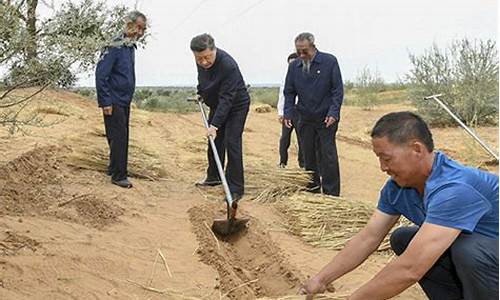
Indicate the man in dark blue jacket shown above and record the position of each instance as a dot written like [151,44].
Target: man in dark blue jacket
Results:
[316,80]
[115,85]
[223,89]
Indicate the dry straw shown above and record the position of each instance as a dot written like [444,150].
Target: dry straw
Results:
[92,155]
[269,184]
[263,108]
[326,221]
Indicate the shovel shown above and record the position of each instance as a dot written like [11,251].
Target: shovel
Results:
[231,225]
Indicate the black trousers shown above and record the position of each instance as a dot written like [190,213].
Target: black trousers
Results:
[319,140]
[229,139]
[467,270]
[286,134]
[117,134]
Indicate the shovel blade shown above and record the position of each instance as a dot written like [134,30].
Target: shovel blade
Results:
[229,227]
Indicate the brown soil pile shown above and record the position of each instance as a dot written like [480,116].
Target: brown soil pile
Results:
[249,264]
[34,184]
[31,182]
[88,210]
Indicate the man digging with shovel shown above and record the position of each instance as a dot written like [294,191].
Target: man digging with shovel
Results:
[223,90]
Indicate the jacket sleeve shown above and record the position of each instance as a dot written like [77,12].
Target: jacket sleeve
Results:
[102,73]
[337,92]
[227,92]
[290,93]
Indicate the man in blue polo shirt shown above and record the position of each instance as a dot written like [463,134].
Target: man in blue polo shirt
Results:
[115,85]
[316,80]
[452,251]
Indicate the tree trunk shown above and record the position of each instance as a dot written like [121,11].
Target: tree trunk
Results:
[31,47]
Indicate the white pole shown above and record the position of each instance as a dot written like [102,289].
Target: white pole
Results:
[467,129]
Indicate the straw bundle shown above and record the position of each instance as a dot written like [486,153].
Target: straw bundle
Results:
[268,184]
[142,163]
[326,221]
[263,108]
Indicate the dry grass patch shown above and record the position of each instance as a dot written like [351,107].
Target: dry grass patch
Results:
[91,155]
[326,221]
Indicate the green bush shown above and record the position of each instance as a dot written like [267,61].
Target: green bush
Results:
[266,95]
[366,86]
[165,99]
[466,73]
[86,92]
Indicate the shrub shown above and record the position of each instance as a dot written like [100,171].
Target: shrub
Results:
[367,85]
[466,73]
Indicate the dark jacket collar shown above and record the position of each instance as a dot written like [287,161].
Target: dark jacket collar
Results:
[317,59]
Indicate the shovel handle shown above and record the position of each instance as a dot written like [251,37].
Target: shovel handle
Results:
[229,198]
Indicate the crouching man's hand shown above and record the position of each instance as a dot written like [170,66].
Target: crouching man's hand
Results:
[312,286]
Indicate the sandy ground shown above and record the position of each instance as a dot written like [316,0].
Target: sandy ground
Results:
[67,233]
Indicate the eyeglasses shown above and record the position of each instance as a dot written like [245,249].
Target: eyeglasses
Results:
[303,51]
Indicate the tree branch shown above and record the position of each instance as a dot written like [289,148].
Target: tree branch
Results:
[26,98]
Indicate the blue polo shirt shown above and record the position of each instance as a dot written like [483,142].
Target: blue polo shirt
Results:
[454,196]
[115,75]
[320,91]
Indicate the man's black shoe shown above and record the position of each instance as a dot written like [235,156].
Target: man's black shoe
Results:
[315,189]
[124,183]
[208,183]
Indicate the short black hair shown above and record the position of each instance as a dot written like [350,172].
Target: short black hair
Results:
[401,127]
[294,55]
[202,42]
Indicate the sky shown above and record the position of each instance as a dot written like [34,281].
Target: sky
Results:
[259,34]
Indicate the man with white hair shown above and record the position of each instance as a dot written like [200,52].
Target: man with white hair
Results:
[115,85]
[316,80]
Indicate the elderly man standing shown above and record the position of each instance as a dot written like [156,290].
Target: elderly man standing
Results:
[452,251]
[115,85]
[316,80]
[223,89]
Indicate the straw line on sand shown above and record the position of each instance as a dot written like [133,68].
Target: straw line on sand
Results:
[165,263]
[169,292]
[239,286]
[150,281]
[213,235]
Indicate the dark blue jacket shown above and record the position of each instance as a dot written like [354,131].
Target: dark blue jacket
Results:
[320,92]
[115,76]
[222,87]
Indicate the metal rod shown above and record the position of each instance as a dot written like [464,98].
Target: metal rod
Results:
[222,176]
[467,129]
